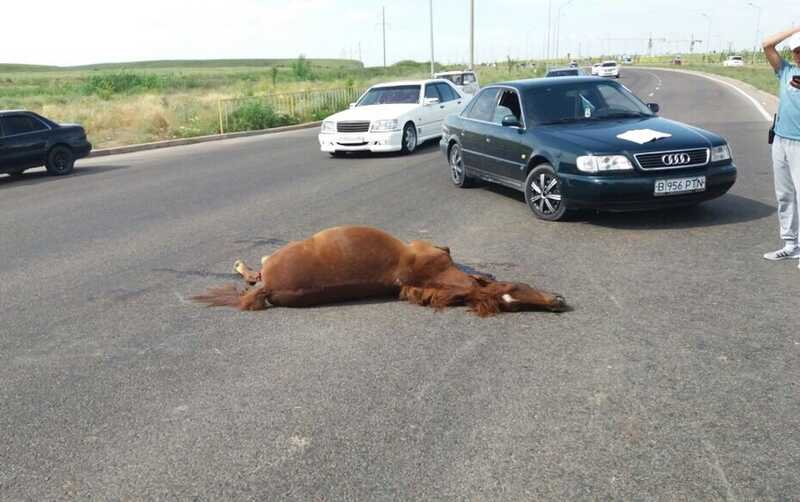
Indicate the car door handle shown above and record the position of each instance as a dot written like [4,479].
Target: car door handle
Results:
[442,107]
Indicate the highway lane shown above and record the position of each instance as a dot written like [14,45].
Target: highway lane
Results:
[674,377]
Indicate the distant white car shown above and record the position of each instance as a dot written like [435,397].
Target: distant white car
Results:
[465,80]
[608,69]
[391,117]
[595,68]
[733,61]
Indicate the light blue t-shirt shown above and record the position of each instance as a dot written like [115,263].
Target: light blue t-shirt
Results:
[788,125]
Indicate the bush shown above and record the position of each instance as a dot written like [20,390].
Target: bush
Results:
[254,115]
[108,84]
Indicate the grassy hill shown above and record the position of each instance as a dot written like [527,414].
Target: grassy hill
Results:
[186,64]
[13,68]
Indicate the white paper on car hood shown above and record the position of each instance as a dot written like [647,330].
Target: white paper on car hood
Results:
[643,136]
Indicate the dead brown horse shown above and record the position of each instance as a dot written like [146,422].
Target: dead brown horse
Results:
[351,263]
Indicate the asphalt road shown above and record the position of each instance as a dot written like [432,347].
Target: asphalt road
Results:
[674,378]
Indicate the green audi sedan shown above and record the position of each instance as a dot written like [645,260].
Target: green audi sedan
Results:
[583,142]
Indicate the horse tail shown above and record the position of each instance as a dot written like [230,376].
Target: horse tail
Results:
[230,296]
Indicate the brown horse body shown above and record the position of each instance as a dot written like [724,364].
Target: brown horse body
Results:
[352,263]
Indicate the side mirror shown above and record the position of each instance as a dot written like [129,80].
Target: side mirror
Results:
[511,121]
[352,105]
[430,101]
[653,107]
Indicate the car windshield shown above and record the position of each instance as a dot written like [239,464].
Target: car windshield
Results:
[736,58]
[582,101]
[609,64]
[400,94]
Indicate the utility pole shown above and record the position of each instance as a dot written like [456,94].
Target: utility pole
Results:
[758,28]
[383,21]
[549,29]
[471,34]
[433,68]
[708,40]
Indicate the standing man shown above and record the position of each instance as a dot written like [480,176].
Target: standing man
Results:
[786,147]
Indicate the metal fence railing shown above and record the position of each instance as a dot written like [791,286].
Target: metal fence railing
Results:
[293,107]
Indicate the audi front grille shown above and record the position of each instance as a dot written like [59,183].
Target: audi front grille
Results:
[675,159]
[360,126]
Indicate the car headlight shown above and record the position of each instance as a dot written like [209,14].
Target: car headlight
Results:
[328,126]
[720,153]
[601,163]
[385,125]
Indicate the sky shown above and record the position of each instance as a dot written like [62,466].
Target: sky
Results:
[57,32]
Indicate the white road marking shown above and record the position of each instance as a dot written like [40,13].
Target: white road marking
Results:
[758,106]
[181,298]
[750,98]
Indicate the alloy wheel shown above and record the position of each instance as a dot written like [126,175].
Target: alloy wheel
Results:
[456,165]
[409,139]
[545,196]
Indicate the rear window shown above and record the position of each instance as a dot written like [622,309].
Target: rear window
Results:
[736,58]
[482,106]
[21,124]
[447,92]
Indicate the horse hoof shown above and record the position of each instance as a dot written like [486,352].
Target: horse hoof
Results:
[237,266]
[560,305]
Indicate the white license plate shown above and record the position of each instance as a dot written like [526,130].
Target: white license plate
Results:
[350,140]
[680,185]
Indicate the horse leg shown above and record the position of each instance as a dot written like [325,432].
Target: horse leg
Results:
[246,272]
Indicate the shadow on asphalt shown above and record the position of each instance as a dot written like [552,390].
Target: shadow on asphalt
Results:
[724,210]
[37,177]
[426,147]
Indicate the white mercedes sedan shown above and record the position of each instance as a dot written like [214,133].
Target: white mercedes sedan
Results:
[392,117]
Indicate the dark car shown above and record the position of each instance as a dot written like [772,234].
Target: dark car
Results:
[566,72]
[583,142]
[29,140]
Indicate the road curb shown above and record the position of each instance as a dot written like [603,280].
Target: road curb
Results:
[199,139]
[766,103]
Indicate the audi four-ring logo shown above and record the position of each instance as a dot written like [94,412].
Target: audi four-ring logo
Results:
[676,159]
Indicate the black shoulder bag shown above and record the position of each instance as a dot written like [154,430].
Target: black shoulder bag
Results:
[771,137]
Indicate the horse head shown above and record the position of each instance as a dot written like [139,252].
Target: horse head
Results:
[498,296]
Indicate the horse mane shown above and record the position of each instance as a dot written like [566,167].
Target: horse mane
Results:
[484,301]
[435,297]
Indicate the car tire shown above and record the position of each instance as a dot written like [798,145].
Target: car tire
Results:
[60,161]
[458,173]
[543,193]
[408,142]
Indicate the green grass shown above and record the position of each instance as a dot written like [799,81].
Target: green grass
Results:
[124,103]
